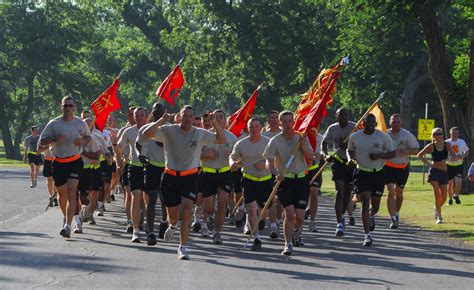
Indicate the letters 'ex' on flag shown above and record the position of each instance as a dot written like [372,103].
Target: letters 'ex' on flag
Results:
[170,87]
[105,104]
[239,119]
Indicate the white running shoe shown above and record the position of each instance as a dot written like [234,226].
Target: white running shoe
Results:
[169,234]
[183,253]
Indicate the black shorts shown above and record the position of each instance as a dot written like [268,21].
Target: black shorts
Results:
[112,168]
[96,179]
[124,178]
[318,182]
[294,191]
[373,182]
[209,182]
[455,171]
[398,176]
[257,191]
[86,181]
[437,175]
[64,171]
[47,168]
[173,188]
[36,159]
[237,180]
[105,171]
[136,176]
[153,177]
[342,172]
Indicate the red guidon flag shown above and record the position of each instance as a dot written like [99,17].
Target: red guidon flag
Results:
[171,86]
[239,119]
[105,104]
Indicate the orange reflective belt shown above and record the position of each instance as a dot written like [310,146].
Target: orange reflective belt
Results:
[49,158]
[181,173]
[399,166]
[67,159]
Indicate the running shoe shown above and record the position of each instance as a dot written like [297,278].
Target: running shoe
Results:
[312,227]
[352,221]
[78,229]
[196,226]
[65,232]
[112,197]
[51,202]
[394,223]
[274,233]
[91,220]
[204,233]
[257,245]
[55,201]
[456,199]
[135,237]
[288,250]
[450,201]
[439,220]
[151,239]
[339,230]
[367,241]
[217,239]
[169,234]
[100,212]
[183,253]
[247,229]
[129,227]
[239,218]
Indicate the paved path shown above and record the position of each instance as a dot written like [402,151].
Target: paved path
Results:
[32,254]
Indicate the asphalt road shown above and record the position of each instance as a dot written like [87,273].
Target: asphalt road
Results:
[32,254]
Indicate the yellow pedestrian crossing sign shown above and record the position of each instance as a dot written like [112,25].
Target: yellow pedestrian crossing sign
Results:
[424,128]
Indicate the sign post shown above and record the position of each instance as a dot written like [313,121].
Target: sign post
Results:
[425,126]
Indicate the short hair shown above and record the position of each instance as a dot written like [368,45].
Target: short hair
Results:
[140,108]
[285,113]
[219,111]
[273,112]
[86,112]
[205,115]
[33,127]
[197,118]
[396,115]
[67,98]
[254,119]
[370,115]
[454,129]
[186,107]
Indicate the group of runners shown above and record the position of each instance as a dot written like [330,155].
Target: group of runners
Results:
[201,172]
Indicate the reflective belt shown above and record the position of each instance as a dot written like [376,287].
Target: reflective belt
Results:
[181,173]
[369,169]
[95,166]
[454,164]
[136,163]
[213,170]
[259,179]
[67,159]
[156,163]
[394,165]
[338,158]
[89,166]
[295,175]
[49,158]
[102,158]
[34,153]
[313,167]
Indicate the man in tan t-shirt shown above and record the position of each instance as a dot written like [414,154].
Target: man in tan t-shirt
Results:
[183,145]
[68,134]
[368,148]
[294,190]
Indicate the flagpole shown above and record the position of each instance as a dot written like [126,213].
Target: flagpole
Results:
[347,138]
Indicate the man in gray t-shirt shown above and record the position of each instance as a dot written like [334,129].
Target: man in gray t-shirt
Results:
[335,135]
[32,156]
[183,144]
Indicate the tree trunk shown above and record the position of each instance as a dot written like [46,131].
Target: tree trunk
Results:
[413,82]
[6,134]
[26,113]
[455,111]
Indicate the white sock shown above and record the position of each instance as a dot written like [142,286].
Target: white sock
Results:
[77,219]
[101,204]
[273,226]
[203,225]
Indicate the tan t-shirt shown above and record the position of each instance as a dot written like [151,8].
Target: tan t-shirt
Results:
[335,135]
[223,151]
[364,144]
[71,130]
[269,134]
[126,150]
[150,148]
[102,142]
[401,141]
[281,149]
[250,153]
[127,140]
[91,147]
[183,149]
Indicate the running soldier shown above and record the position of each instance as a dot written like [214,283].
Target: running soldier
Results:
[398,168]
[183,145]
[455,165]
[33,156]
[368,148]
[293,192]
[68,134]
[341,170]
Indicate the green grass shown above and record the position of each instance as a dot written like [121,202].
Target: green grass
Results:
[417,209]
[4,162]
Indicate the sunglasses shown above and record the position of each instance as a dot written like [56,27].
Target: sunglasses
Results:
[438,134]
[68,105]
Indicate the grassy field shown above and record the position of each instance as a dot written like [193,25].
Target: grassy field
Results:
[417,209]
[9,162]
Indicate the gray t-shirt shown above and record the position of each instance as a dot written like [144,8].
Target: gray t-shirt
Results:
[281,148]
[71,130]
[127,140]
[269,134]
[183,149]
[364,144]
[223,152]
[150,148]
[250,153]
[402,140]
[31,143]
[91,147]
[335,135]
